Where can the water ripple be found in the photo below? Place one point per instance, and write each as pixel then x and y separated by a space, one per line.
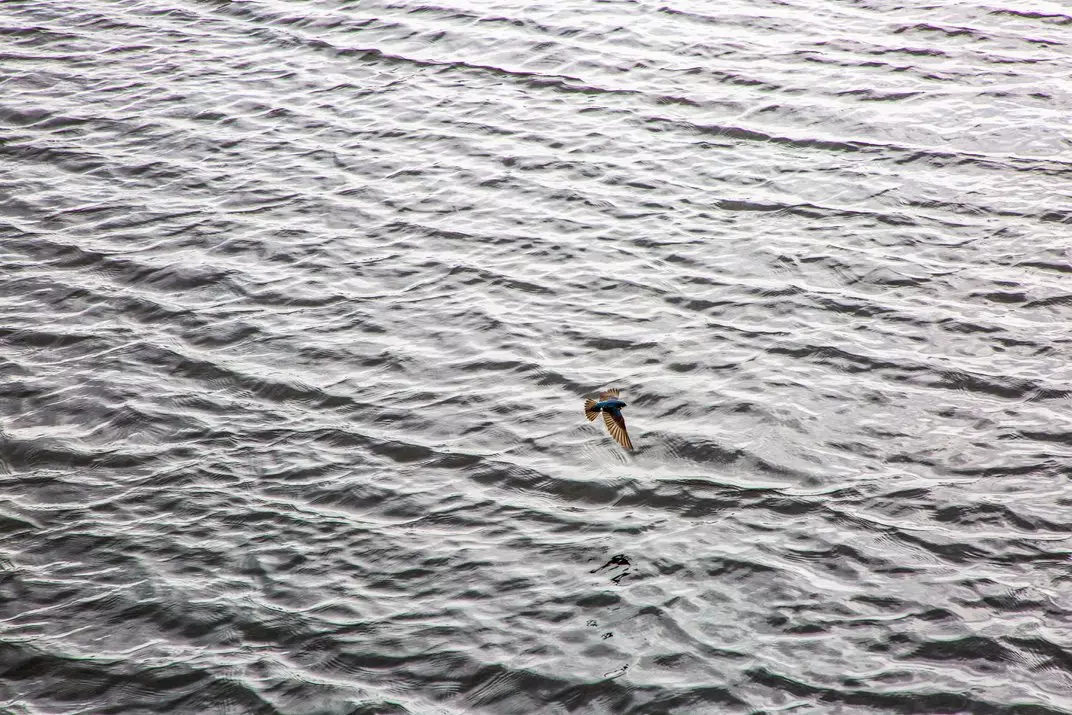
pixel 301 303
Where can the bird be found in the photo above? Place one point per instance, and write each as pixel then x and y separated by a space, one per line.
pixel 611 407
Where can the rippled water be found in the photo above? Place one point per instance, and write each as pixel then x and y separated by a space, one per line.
pixel 300 302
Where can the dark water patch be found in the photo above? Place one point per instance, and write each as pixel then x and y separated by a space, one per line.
pixel 1041 468
pixel 1048 18
pixel 69 682
pixel 901 702
pixel 1052 301
pixel 520 478
pixel 996 514
pixel 29 338
pixel 1050 654
pixel 964 649
pixel 42 453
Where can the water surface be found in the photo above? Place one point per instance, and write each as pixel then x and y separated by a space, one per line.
pixel 299 303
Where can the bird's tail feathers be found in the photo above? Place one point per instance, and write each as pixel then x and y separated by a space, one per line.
pixel 588 411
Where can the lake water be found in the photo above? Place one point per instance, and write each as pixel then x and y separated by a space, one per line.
pixel 300 302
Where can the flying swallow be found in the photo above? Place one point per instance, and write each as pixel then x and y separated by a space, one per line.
pixel 611 407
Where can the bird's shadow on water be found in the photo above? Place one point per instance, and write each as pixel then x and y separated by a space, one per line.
pixel 616 561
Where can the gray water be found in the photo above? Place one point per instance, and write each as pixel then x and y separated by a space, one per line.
pixel 300 302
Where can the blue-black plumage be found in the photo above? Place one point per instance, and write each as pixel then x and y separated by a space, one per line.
pixel 611 407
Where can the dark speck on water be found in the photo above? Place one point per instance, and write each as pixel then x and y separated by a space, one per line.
pixel 299 302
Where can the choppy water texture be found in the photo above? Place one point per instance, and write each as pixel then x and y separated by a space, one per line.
pixel 299 303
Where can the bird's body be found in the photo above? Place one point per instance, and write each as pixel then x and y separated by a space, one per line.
pixel 611 407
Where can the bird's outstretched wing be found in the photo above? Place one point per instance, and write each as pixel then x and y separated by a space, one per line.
pixel 613 392
pixel 616 427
